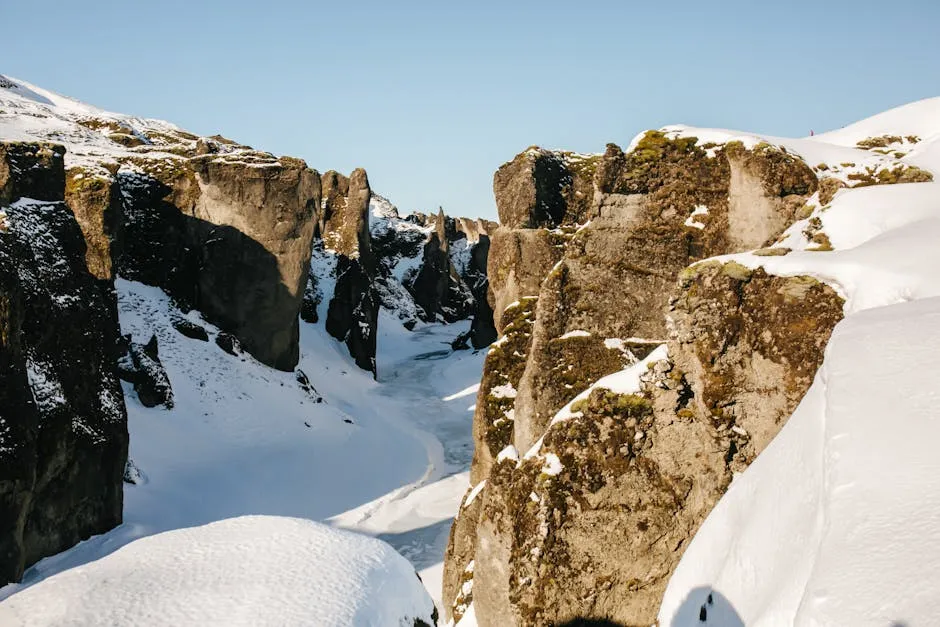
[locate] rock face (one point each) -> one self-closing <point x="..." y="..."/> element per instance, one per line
<point x="63" y="426"/>
<point x="229" y="238"/>
<point x="96" y="201"/>
<point x="417" y="268"/>
<point x="483" y="328"/>
<point x="353" y="311"/>
<point x="437" y="288"/>
<point x="749" y="345"/>
<point x="533" y="547"/>
<point x="141" y="366"/>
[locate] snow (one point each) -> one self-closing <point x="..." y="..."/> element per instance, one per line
<point x="575" y="333"/>
<point x="920" y="118"/>
<point x="506" y="390"/>
<point x="30" y="113"/>
<point x="699" y="210"/>
<point x="474" y="493"/>
<point x="252" y="570"/>
<point x="626" y="381"/>
<point x="553" y="465"/>
<point x="885" y="246"/>
<point x="47" y="391"/>
<point x="244" y="439"/>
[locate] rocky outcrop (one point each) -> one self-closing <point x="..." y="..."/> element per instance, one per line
<point x="141" y="366"/>
<point x="437" y="288"/>
<point x="748" y="345"/>
<point x="353" y="311"/>
<point x="483" y="327"/>
<point x="518" y="261"/>
<point x="63" y="426"/>
<point x="227" y="237"/>
<point x="95" y="198"/>
<point x="648" y="467"/>
<point x="542" y="188"/>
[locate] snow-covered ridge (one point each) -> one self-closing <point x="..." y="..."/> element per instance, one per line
<point x="94" y="137"/>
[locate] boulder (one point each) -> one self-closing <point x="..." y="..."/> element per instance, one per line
<point x="149" y="376"/>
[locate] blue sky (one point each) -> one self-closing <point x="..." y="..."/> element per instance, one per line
<point x="431" y="97"/>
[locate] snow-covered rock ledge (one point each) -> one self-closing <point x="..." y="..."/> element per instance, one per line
<point x="252" y="570"/>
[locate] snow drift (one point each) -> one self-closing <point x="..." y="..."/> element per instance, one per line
<point x="253" y="570"/>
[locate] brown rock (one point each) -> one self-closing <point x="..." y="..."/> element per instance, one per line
<point x="229" y="238"/>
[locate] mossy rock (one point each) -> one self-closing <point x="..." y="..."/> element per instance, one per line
<point x="779" y="251"/>
<point x="736" y="271"/>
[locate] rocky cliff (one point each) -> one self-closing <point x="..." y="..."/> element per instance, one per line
<point x="223" y="229"/>
<point x="584" y="433"/>
<point x="63" y="426"/>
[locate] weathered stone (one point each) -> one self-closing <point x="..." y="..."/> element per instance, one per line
<point x="437" y="288"/>
<point x="229" y="238"/>
<point x="96" y="201"/>
<point x="190" y="329"/>
<point x="31" y="170"/>
<point x="352" y="316"/>
<point x="749" y="345"/>
<point x="228" y="343"/>
<point x="541" y="188"/>
<point x="647" y="469"/>
<point x="483" y="327"/>
<point x="353" y="313"/>
<point x="63" y="426"/>
<point x="492" y="431"/>
<point x="518" y="261"/>
<point x="150" y="380"/>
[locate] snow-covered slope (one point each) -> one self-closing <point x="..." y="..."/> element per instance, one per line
<point x="835" y="522"/>
<point x="254" y="570"/>
<point x="244" y="439"/>
<point x="92" y="136"/>
<point x="920" y="119"/>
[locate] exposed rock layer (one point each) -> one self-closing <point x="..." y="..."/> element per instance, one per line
<point x="63" y="426"/>
<point x="534" y="546"/>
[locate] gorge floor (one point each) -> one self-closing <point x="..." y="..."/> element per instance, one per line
<point x="386" y="458"/>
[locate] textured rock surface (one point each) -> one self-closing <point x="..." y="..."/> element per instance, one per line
<point x="353" y="311"/>
<point x="96" y="201"/>
<point x="229" y="238"/>
<point x="147" y="374"/>
<point x="483" y="328"/>
<point x="749" y="345"/>
<point x="645" y="468"/>
<point x="518" y="261"/>
<point x="542" y="188"/>
<point x="437" y="288"/>
<point x="63" y="426"/>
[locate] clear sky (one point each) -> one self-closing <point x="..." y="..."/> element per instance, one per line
<point x="431" y="97"/>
